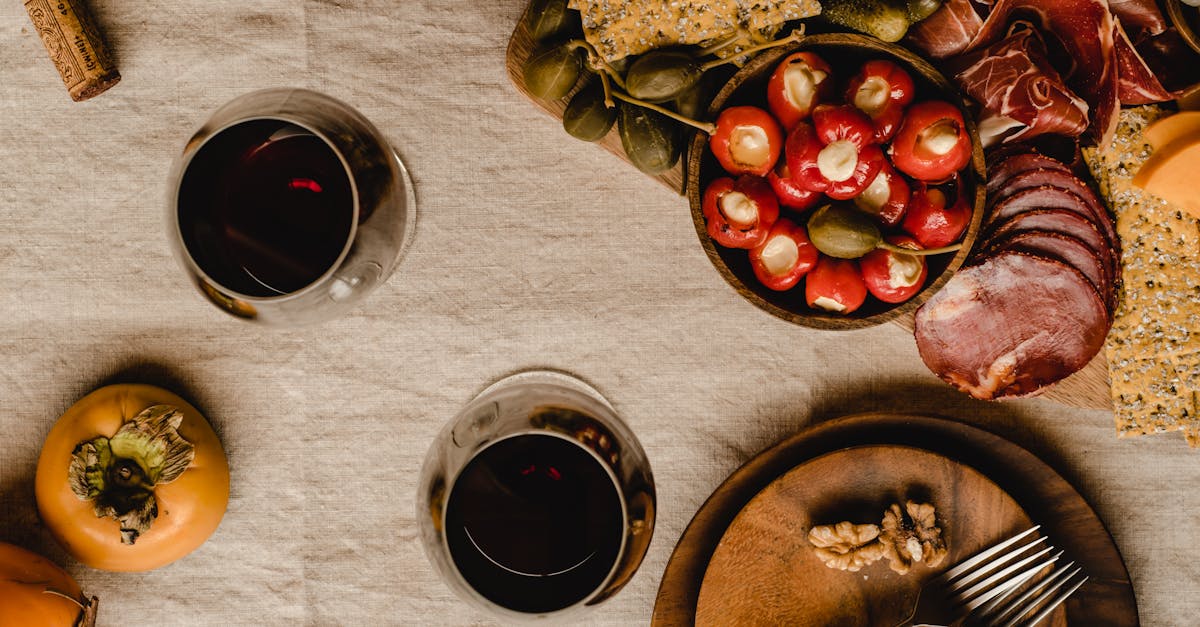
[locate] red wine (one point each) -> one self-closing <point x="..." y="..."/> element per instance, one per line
<point x="534" y="523"/>
<point x="265" y="207"/>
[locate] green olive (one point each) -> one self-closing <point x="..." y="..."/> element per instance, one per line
<point x="586" y="116"/>
<point x="662" y="75"/>
<point x="839" y="231"/>
<point x="552" y="72"/>
<point x="546" y="19"/>
<point x="650" y="139"/>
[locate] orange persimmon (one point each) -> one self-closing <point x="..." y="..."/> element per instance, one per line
<point x="34" y="592"/>
<point x="131" y="478"/>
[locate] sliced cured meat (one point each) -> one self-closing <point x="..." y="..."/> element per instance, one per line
<point x="947" y="31"/>
<point x="1056" y="221"/>
<point x="1040" y="198"/>
<point x="1058" y="147"/>
<point x="1066" y="181"/>
<point x="1011" y="325"/>
<point x="1136" y="83"/>
<point x="1083" y="29"/>
<point x="1016" y="164"/>
<point x="1139" y="16"/>
<point x="1064" y="248"/>
<point x="1021" y="93"/>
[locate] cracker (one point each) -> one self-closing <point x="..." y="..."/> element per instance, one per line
<point x="1153" y="349"/>
<point x="621" y="28"/>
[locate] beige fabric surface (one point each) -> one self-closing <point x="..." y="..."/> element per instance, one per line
<point x="532" y="250"/>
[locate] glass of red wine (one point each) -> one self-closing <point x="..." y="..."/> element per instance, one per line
<point x="536" y="500"/>
<point x="288" y="207"/>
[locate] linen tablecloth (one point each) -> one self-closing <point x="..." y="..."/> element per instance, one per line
<point x="532" y="250"/>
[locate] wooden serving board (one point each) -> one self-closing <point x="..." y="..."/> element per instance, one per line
<point x="1088" y="388"/>
<point x="1048" y="499"/>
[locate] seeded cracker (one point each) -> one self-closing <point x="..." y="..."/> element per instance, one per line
<point x="620" y="28"/>
<point x="1153" y="349"/>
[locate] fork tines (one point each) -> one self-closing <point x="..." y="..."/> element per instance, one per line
<point x="1000" y="586"/>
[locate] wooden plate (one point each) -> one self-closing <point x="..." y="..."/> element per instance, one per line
<point x="1106" y="599"/>
<point x="764" y="571"/>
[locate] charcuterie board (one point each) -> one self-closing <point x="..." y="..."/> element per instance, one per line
<point x="1089" y="388"/>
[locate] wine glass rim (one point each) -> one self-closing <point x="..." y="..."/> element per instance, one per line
<point x="613" y="569"/>
<point x="346" y="246"/>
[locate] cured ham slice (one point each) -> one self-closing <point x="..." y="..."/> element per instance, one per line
<point x="1043" y="177"/>
<point x="948" y="31"/>
<point x="1064" y="248"/>
<point x="1000" y="173"/>
<point x="1046" y="211"/>
<point x="1011" y="325"/>
<point x="1136" y="83"/>
<point x="1021" y="93"/>
<point x="1084" y="30"/>
<point x="1139" y="16"/>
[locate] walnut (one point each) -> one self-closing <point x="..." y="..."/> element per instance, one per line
<point x="911" y="535"/>
<point x="846" y="546"/>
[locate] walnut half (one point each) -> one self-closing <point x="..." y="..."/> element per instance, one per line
<point x="847" y="546"/>
<point x="911" y="535"/>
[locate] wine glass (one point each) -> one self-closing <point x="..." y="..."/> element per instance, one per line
<point x="536" y="500"/>
<point x="288" y="206"/>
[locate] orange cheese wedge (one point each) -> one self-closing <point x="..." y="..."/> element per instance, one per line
<point x="1168" y="129"/>
<point x="1170" y="172"/>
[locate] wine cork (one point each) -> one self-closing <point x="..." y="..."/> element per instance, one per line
<point x="75" y="45"/>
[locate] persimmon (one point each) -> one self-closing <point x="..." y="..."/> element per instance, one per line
<point x="34" y="592"/>
<point x="131" y="478"/>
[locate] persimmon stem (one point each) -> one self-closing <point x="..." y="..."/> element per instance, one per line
<point x="925" y="252"/>
<point x="703" y="126"/>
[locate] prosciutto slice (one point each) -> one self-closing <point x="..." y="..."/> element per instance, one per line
<point x="1136" y="83"/>
<point x="948" y="31"/>
<point x="1021" y="93"/>
<point x="1084" y="31"/>
<point x="1141" y="17"/>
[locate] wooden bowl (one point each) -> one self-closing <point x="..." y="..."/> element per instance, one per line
<point x="845" y="52"/>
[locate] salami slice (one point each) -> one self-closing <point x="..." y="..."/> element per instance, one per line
<point x="1043" y="177"/>
<point x="1064" y="248"/>
<point x="1011" y="325"/>
<point x="1019" y="163"/>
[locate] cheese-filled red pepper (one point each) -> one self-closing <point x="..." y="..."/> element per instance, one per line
<point x="932" y="143"/>
<point x="800" y="82"/>
<point x="740" y="213"/>
<point x="747" y="140"/>
<point x="882" y="90"/>
<point x="790" y="194"/>
<point x="930" y="221"/>
<point x="784" y="257"/>
<point x="894" y="277"/>
<point x="835" y="285"/>
<point x="886" y="197"/>
<point x="837" y="155"/>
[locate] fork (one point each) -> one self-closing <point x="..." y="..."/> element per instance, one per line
<point x="987" y="588"/>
